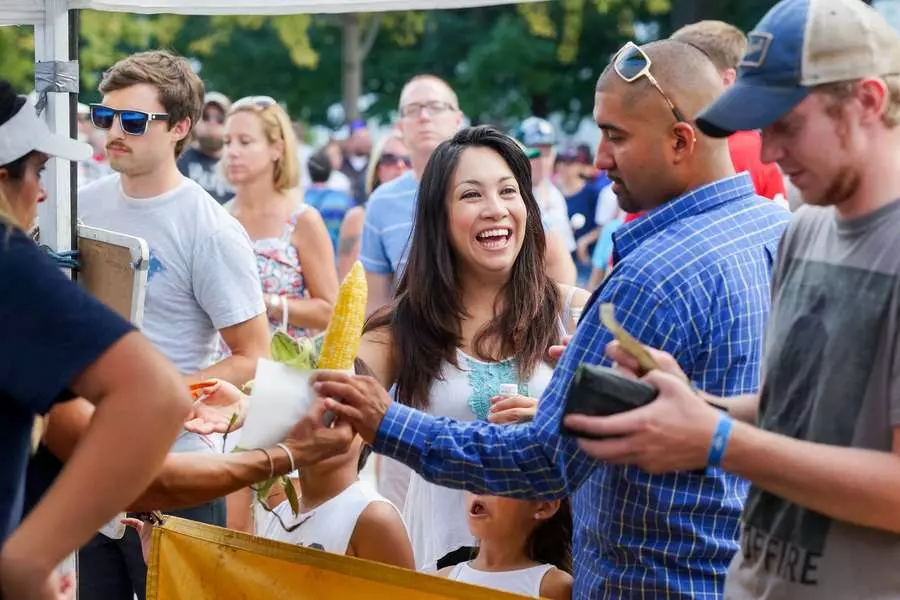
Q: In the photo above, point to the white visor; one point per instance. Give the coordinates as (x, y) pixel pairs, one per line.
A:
(26, 132)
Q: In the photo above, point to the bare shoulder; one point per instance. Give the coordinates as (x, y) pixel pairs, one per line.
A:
(380, 535)
(579, 295)
(556, 585)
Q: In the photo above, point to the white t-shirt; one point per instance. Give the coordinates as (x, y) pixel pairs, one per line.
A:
(327, 527)
(203, 275)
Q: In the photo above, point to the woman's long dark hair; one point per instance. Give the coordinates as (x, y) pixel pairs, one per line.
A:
(551, 542)
(425, 317)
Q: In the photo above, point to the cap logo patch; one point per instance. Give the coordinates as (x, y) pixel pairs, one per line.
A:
(757, 48)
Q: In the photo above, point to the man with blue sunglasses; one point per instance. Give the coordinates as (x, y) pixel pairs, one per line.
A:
(203, 281)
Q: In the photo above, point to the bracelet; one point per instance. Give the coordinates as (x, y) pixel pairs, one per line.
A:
(720, 440)
(271, 462)
(290, 456)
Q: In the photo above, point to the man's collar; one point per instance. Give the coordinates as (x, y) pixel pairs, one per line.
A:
(697, 201)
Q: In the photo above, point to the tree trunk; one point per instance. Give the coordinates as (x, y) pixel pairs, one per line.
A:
(351, 59)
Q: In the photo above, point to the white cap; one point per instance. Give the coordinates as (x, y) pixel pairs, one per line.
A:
(25, 132)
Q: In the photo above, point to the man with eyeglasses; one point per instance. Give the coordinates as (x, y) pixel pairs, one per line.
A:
(429, 114)
(200, 161)
(202, 281)
(692, 277)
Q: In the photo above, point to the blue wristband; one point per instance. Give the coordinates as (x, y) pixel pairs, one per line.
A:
(720, 440)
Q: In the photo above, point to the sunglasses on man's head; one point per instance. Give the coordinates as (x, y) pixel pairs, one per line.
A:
(389, 158)
(133, 122)
(631, 63)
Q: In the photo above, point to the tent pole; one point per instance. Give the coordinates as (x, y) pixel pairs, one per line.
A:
(74, 23)
(51, 38)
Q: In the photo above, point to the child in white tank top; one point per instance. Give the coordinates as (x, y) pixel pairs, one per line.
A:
(341, 514)
(524, 547)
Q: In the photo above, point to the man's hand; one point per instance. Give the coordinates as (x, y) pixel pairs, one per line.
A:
(310, 441)
(512, 409)
(24, 582)
(672, 433)
(145, 533)
(213, 410)
(628, 365)
(358, 400)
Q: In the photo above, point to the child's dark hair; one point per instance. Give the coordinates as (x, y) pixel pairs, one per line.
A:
(551, 542)
(361, 368)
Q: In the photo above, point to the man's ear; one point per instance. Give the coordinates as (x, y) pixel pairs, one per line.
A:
(729, 76)
(684, 140)
(182, 129)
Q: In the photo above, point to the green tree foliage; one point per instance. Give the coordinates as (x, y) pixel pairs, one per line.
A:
(504, 61)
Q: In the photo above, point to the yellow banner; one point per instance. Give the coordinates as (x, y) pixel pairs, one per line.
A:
(194, 561)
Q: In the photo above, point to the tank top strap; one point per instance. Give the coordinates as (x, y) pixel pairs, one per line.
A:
(455, 571)
(292, 223)
(565, 317)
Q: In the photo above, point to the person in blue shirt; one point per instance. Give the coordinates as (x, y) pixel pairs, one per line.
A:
(691, 277)
(331, 204)
(57, 343)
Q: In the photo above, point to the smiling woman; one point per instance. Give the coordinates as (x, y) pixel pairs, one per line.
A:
(474, 310)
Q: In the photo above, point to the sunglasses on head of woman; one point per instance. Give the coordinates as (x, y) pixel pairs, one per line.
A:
(631, 63)
(133, 122)
(260, 102)
(388, 158)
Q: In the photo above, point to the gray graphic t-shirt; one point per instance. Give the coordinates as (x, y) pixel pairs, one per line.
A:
(832, 376)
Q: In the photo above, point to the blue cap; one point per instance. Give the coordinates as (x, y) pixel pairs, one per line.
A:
(798, 45)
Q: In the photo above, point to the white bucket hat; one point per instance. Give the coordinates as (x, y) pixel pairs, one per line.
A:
(25, 132)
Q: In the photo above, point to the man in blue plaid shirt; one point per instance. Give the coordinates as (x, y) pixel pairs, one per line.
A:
(691, 277)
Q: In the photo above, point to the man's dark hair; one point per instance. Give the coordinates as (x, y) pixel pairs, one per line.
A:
(319, 167)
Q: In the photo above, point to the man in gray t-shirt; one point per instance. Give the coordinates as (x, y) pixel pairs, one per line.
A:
(821, 443)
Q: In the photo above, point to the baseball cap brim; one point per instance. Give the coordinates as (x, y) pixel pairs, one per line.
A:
(64, 147)
(747, 107)
(25, 132)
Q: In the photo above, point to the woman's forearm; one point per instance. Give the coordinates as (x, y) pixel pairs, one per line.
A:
(309, 313)
(190, 479)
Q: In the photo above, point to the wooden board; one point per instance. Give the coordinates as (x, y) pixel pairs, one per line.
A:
(114, 270)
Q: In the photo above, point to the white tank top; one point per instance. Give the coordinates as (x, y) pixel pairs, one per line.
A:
(526, 582)
(327, 527)
(436, 516)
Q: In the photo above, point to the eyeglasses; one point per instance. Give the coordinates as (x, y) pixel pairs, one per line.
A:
(434, 107)
(133, 122)
(631, 63)
(389, 158)
(260, 102)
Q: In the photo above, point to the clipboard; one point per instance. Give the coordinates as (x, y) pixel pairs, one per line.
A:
(114, 269)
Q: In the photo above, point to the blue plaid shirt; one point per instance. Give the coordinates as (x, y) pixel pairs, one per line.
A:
(692, 278)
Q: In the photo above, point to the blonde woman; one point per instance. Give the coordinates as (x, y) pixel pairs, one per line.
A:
(390, 159)
(293, 249)
(57, 343)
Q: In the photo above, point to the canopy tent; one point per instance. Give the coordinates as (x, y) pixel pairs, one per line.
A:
(52, 22)
(35, 12)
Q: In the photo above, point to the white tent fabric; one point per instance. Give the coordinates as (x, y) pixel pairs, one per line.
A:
(13, 12)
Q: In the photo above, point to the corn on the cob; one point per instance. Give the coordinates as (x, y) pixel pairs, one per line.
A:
(345, 328)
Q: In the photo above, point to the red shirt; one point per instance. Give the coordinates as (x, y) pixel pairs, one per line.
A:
(745, 148)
